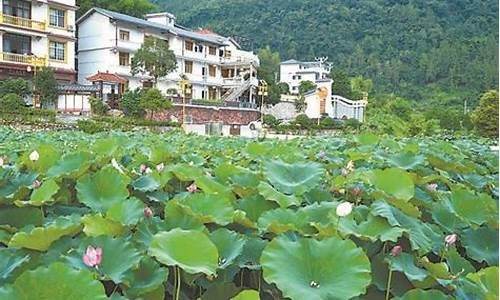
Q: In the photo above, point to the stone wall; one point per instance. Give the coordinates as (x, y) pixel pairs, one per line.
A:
(282, 111)
(206, 114)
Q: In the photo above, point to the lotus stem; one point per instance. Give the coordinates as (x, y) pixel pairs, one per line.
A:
(178, 287)
(389, 279)
(442, 255)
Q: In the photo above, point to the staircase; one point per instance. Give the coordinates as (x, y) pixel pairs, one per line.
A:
(233, 93)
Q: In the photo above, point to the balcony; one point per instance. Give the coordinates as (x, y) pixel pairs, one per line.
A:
(23, 59)
(22, 22)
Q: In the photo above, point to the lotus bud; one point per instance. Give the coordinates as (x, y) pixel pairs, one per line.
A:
(396, 251)
(356, 191)
(148, 170)
(92, 257)
(192, 188)
(344, 209)
(142, 168)
(34, 156)
(333, 189)
(160, 167)
(1, 162)
(432, 187)
(36, 184)
(450, 240)
(148, 213)
(350, 165)
(343, 173)
(322, 155)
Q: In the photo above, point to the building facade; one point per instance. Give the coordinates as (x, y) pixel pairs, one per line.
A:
(216, 66)
(293, 72)
(36, 34)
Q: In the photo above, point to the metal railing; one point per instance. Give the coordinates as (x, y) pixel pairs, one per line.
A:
(23, 59)
(22, 22)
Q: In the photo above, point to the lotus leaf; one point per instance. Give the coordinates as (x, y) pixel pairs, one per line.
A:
(296, 178)
(394, 182)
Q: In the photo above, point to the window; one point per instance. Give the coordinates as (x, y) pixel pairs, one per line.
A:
(227, 54)
(211, 71)
(147, 84)
(188, 67)
(203, 71)
(203, 95)
(124, 59)
(18, 44)
(124, 35)
(57, 50)
(189, 46)
(212, 50)
(57, 17)
(17, 8)
(198, 48)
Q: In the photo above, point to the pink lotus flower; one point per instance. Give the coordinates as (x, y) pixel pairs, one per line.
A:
(432, 187)
(142, 168)
(322, 155)
(92, 257)
(34, 156)
(396, 251)
(192, 188)
(36, 184)
(356, 191)
(343, 173)
(160, 167)
(450, 240)
(350, 165)
(148, 213)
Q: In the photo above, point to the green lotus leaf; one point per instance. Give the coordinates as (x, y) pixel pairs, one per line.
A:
(210, 208)
(40, 238)
(55, 282)
(71, 165)
(418, 294)
(240, 217)
(394, 182)
(44, 194)
(145, 231)
(103, 189)
(486, 283)
(185, 172)
(269, 193)
(281, 220)
(458, 263)
(181, 216)
(48, 156)
(247, 295)
(191, 250)
(146, 278)
(10, 260)
(96, 225)
(220, 291)
(251, 253)
(373, 228)
(21, 216)
(406, 160)
(106, 147)
(146, 183)
(229, 245)
(13, 184)
(481, 244)
(475, 209)
(254, 206)
(404, 263)
(127, 212)
(209, 186)
(311, 269)
(367, 139)
(296, 178)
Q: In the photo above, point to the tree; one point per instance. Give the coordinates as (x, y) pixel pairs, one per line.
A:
(45, 85)
(130, 103)
(360, 87)
(154, 58)
(153, 101)
(11, 102)
(306, 86)
(485, 116)
(269, 65)
(136, 8)
(341, 84)
(19, 87)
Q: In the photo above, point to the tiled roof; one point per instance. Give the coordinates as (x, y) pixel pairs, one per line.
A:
(290, 62)
(107, 77)
(215, 39)
(207, 32)
(72, 87)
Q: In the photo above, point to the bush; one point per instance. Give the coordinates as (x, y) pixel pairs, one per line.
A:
(271, 121)
(12, 102)
(19, 87)
(485, 117)
(90, 127)
(303, 121)
(98, 106)
(352, 123)
(330, 123)
(46, 86)
(153, 101)
(129, 103)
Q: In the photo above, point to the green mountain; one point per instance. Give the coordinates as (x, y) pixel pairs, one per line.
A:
(413, 48)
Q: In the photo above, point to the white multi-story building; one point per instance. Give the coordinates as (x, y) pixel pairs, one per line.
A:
(293, 72)
(216, 66)
(37, 34)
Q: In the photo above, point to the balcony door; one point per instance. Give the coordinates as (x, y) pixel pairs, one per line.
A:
(18, 44)
(17, 8)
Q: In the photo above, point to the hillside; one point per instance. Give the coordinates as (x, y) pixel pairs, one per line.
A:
(412, 48)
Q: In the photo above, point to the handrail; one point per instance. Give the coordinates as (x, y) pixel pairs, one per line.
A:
(22, 22)
(23, 59)
(348, 101)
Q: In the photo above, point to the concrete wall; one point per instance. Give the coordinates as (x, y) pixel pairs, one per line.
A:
(205, 114)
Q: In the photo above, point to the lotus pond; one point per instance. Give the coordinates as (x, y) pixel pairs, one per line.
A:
(146, 216)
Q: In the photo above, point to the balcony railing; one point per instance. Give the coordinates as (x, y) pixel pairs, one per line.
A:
(23, 59)
(22, 22)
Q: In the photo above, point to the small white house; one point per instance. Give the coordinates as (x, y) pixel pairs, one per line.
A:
(293, 72)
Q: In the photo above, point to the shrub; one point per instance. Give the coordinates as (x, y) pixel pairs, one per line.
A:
(98, 106)
(485, 117)
(271, 121)
(352, 123)
(129, 103)
(90, 127)
(153, 101)
(46, 86)
(19, 87)
(303, 121)
(11, 102)
(327, 123)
